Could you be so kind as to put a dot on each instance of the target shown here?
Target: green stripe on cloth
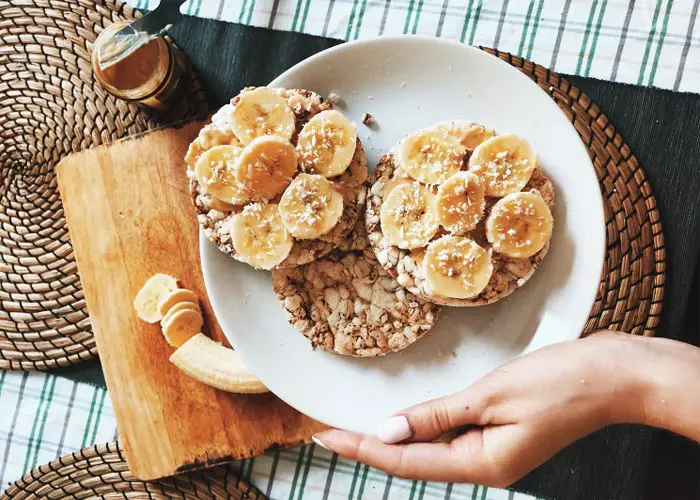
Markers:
(363, 482)
(535, 26)
(305, 16)
(596, 33)
(582, 51)
(650, 39)
(40, 436)
(37, 416)
(360, 18)
(306, 471)
(408, 17)
(659, 46)
(300, 459)
(242, 11)
(416, 21)
(352, 19)
(523, 36)
(354, 481)
(476, 21)
(89, 421)
(250, 11)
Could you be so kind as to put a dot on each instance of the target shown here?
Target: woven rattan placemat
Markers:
(50, 106)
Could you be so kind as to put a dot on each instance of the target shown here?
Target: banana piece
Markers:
(469, 134)
(262, 111)
(180, 306)
(519, 225)
(174, 297)
(215, 365)
(460, 202)
(182, 325)
(506, 163)
(408, 218)
(310, 207)
(430, 156)
(147, 300)
(327, 143)
(456, 267)
(215, 172)
(266, 166)
(259, 236)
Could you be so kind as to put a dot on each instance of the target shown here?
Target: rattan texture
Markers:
(102, 472)
(51, 106)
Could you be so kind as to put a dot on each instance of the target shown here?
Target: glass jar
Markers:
(154, 75)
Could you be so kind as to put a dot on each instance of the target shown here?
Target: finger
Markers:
(425, 461)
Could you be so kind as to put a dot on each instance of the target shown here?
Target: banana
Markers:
(147, 300)
(456, 267)
(266, 166)
(180, 306)
(519, 225)
(460, 202)
(506, 163)
(327, 143)
(310, 207)
(174, 297)
(259, 236)
(215, 172)
(182, 325)
(469, 134)
(430, 156)
(408, 218)
(215, 365)
(262, 111)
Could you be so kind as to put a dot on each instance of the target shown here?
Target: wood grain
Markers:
(130, 216)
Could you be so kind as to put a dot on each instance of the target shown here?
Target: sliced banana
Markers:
(408, 218)
(181, 326)
(259, 236)
(266, 166)
(180, 306)
(456, 267)
(310, 207)
(460, 202)
(262, 111)
(147, 300)
(519, 225)
(327, 143)
(469, 134)
(215, 365)
(506, 163)
(178, 295)
(215, 172)
(430, 156)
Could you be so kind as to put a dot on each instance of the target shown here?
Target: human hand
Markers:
(519, 415)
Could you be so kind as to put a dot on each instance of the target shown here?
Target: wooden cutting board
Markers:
(130, 216)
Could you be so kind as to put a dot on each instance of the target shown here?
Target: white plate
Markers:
(408, 83)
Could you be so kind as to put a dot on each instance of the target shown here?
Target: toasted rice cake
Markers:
(348, 304)
(215, 216)
(508, 274)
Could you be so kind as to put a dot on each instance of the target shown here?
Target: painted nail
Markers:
(318, 442)
(394, 430)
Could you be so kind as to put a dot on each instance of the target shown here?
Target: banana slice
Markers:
(266, 166)
(408, 218)
(262, 111)
(147, 300)
(215, 365)
(178, 295)
(180, 306)
(310, 206)
(327, 144)
(519, 225)
(506, 163)
(460, 202)
(456, 267)
(469, 134)
(215, 172)
(181, 326)
(431, 156)
(259, 236)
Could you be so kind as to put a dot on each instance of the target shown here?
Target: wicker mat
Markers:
(50, 106)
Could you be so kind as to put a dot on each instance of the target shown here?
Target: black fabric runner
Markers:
(661, 128)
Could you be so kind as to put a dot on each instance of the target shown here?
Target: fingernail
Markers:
(394, 430)
(318, 442)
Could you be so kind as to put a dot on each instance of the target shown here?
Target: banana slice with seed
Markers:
(469, 134)
(147, 300)
(408, 218)
(181, 326)
(262, 111)
(456, 267)
(327, 143)
(259, 236)
(506, 163)
(215, 365)
(214, 170)
(431, 156)
(310, 207)
(174, 297)
(460, 202)
(266, 166)
(519, 225)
